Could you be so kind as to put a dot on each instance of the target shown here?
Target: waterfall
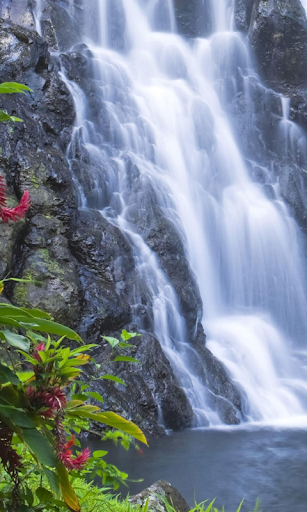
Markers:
(164, 98)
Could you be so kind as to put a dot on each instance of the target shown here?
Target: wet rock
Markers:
(293, 186)
(48, 261)
(152, 393)
(164, 239)
(59, 28)
(33, 159)
(243, 14)
(193, 18)
(156, 494)
(17, 11)
(278, 36)
(104, 263)
(221, 394)
(298, 108)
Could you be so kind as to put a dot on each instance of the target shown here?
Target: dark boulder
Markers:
(152, 393)
(278, 36)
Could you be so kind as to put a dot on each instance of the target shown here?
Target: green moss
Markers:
(52, 265)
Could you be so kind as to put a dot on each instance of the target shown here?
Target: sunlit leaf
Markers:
(113, 378)
(115, 421)
(13, 88)
(126, 359)
(97, 454)
(69, 495)
(112, 341)
(4, 116)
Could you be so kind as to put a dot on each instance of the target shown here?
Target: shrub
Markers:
(40, 410)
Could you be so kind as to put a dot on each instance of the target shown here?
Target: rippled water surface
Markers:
(227, 464)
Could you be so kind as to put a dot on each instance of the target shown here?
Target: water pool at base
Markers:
(225, 464)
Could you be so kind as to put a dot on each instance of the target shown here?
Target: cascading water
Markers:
(165, 101)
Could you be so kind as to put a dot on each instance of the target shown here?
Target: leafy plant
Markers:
(11, 88)
(39, 410)
(205, 506)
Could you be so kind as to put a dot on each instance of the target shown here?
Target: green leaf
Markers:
(96, 396)
(79, 396)
(41, 448)
(99, 453)
(24, 376)
(44, 495)
(53, 480)
(7, 375)
(4, 116)
(126, 359)
(72, 404)
(112, 341)
(113, 378)
(29, 497)
(128, 335)
(13, 88)
(125, 345)
(74, 363)
(34, 319)
(113, 420)
(16, 340)
(54, 328)
(17, 416)
(240, 506)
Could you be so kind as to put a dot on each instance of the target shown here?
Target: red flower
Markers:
(53, 399)
(70, 443)
(2, 193)
(14, 214)
(40, 348)
(65, 455)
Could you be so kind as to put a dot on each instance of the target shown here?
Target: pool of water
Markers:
(225, 464)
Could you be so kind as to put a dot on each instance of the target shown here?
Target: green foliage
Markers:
(42, 402)
(11, 88)
(206, 506)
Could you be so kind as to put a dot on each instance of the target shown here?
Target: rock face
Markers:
(151, 393)
(156, 494)
(243, 14)
(84, 264)
(278, 35)
(277, 32)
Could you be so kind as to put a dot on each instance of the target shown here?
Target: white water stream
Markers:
(166, 117)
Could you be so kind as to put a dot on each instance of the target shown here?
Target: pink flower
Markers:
(14, 214)
(39, 348)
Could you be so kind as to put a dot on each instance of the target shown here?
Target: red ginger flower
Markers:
(65, 455)
(14, 214)
(40, 348)
(54, 399)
